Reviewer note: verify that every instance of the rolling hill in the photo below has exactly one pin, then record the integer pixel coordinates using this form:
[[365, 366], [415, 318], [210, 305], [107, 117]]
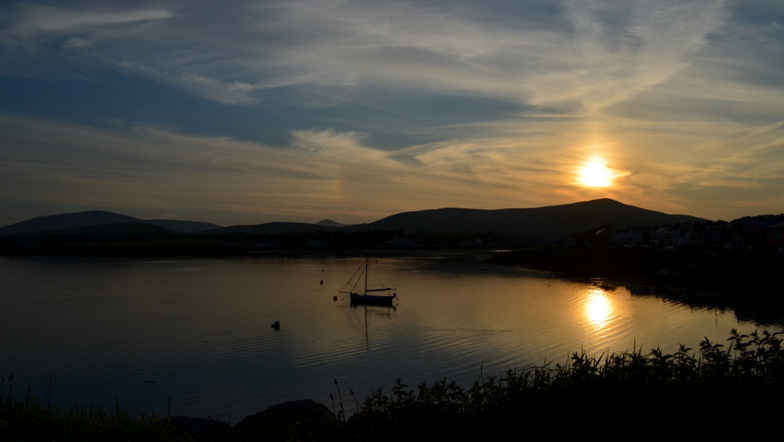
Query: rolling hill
[[94, 218], [550, 221], [66, 221], [543, 222]]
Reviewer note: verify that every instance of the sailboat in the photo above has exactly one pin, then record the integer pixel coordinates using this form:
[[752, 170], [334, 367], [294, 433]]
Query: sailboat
[[375, 296]]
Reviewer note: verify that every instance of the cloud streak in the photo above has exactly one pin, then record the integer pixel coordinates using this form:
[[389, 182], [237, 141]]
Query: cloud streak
[[304, 106], [318, 170], [598, 54], [32, 20], [606, 54]]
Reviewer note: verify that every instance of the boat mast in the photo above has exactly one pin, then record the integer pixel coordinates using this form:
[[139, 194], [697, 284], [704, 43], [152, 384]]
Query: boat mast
[[366, 273]]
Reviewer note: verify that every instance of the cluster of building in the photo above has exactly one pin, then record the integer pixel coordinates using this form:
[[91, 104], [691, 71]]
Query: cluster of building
[[765, 231]]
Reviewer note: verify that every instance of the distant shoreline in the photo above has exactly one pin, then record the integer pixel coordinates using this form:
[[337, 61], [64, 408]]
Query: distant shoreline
[[213, 248], [749, 281]]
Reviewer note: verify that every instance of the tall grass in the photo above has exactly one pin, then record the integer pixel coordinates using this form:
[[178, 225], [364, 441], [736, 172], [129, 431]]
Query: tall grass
[[733, 391], [31, 420], [716, 392]]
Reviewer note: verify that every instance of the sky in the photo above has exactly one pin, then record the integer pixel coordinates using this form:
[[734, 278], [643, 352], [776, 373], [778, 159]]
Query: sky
[[245, 112]]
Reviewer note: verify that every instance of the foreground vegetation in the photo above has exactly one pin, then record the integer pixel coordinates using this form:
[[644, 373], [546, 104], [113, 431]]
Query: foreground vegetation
[[735, 391], [30, 420], [724, 392]]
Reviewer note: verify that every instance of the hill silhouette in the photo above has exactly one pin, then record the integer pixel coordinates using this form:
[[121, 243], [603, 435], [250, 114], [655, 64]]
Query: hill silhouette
[[66, 221], [329, 223], [96, 218], [550, 221], [543, 222]]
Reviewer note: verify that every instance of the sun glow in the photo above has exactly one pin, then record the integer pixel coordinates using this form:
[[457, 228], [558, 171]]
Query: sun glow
[[595, 173]]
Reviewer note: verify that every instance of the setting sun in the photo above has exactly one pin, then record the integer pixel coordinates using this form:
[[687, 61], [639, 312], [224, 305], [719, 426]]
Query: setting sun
[[595, 173]]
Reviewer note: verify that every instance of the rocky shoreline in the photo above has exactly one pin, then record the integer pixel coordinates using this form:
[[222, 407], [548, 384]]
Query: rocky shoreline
[[303, 416]]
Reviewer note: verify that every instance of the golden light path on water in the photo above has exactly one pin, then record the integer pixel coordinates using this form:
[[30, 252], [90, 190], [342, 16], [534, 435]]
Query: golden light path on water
[[193, 335], [597, 308]]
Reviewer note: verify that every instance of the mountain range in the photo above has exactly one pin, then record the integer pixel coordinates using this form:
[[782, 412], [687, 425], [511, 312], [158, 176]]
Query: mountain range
[[95, 218], [550, 221]]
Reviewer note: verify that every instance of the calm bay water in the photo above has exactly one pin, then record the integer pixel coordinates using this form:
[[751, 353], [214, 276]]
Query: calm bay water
[[141, 333]]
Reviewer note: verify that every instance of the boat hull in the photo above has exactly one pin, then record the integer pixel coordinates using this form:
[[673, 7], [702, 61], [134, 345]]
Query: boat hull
[[360, 299]]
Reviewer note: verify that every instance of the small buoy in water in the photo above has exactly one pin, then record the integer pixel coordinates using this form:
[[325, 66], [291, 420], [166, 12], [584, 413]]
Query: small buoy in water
[[276, 325], [334, 298]]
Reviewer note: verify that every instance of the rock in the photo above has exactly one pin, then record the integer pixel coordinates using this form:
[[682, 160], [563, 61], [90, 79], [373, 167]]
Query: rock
[[302, 418], [208, 428]]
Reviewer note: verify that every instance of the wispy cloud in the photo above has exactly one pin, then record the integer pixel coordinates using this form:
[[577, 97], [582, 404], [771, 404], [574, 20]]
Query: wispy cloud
[[323, 170], [602, 53], [31, 20], [305, 105], [620, 49]]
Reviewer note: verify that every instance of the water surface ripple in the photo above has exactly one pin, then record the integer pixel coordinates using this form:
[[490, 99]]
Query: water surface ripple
[[196, 333]]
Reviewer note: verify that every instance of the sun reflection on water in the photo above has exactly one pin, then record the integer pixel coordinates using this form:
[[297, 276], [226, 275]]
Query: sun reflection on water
[[598, 308]]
